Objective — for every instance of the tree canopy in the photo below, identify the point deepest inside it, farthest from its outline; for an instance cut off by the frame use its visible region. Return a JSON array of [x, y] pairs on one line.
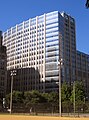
[[34, 98], [87, 4]]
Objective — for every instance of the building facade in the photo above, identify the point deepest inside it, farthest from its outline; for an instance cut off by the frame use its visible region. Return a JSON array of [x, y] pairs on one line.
[[83, 70], [40, 43], [25, 79], [3, 70]]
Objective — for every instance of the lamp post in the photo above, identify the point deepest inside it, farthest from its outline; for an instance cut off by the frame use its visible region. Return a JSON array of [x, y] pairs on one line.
[[74, 96], [73, 85], [60, 65], [13, 73]]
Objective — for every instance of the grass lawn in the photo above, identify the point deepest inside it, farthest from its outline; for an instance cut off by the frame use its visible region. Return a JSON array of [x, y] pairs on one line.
[[24, 117]]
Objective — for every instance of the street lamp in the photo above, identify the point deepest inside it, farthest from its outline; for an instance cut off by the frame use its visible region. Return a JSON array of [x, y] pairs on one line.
[[74, 96], [13, 73], [73, 84], [60, 64]]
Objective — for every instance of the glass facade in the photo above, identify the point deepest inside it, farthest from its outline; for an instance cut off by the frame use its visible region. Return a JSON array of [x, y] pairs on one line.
[[69, 48], [40, 43], [3, 70], [83, 70], [53, 27]]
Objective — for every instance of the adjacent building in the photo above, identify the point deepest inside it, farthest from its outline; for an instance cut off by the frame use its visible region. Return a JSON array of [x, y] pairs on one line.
[[26, 79], [83, 70], [3, 70], [40, 43]]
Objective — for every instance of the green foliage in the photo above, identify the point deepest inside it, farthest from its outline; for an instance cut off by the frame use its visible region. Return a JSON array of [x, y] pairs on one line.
[[36, 97], [69, 91], [17, 97], [65, 95], [52, 97], [32, 98], [79, 92], [8, 99], [65, 92]]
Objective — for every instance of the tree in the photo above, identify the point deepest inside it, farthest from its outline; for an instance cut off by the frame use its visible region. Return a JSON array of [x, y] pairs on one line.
[[52, 97], [66, 93], [87, 4], [17, 98], [37, 97], [79, 95], [34, 97], [51, 101]]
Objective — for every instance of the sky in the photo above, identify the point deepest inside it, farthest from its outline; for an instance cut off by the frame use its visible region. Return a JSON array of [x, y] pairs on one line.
[[13, 12]]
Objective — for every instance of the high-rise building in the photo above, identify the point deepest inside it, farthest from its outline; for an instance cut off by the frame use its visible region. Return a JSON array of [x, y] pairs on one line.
[[60, 43], [40, 43], [3, 70]]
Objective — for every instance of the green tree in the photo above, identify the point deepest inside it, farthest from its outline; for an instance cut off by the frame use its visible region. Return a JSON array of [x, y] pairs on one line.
[[17, 98], [33, 97], [79, 95], [36, 97], [52, 97], [7, 100], [51, 101], [65, 94]]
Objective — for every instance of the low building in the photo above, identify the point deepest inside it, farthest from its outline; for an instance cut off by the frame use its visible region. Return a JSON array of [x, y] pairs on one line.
[[24, 79]]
